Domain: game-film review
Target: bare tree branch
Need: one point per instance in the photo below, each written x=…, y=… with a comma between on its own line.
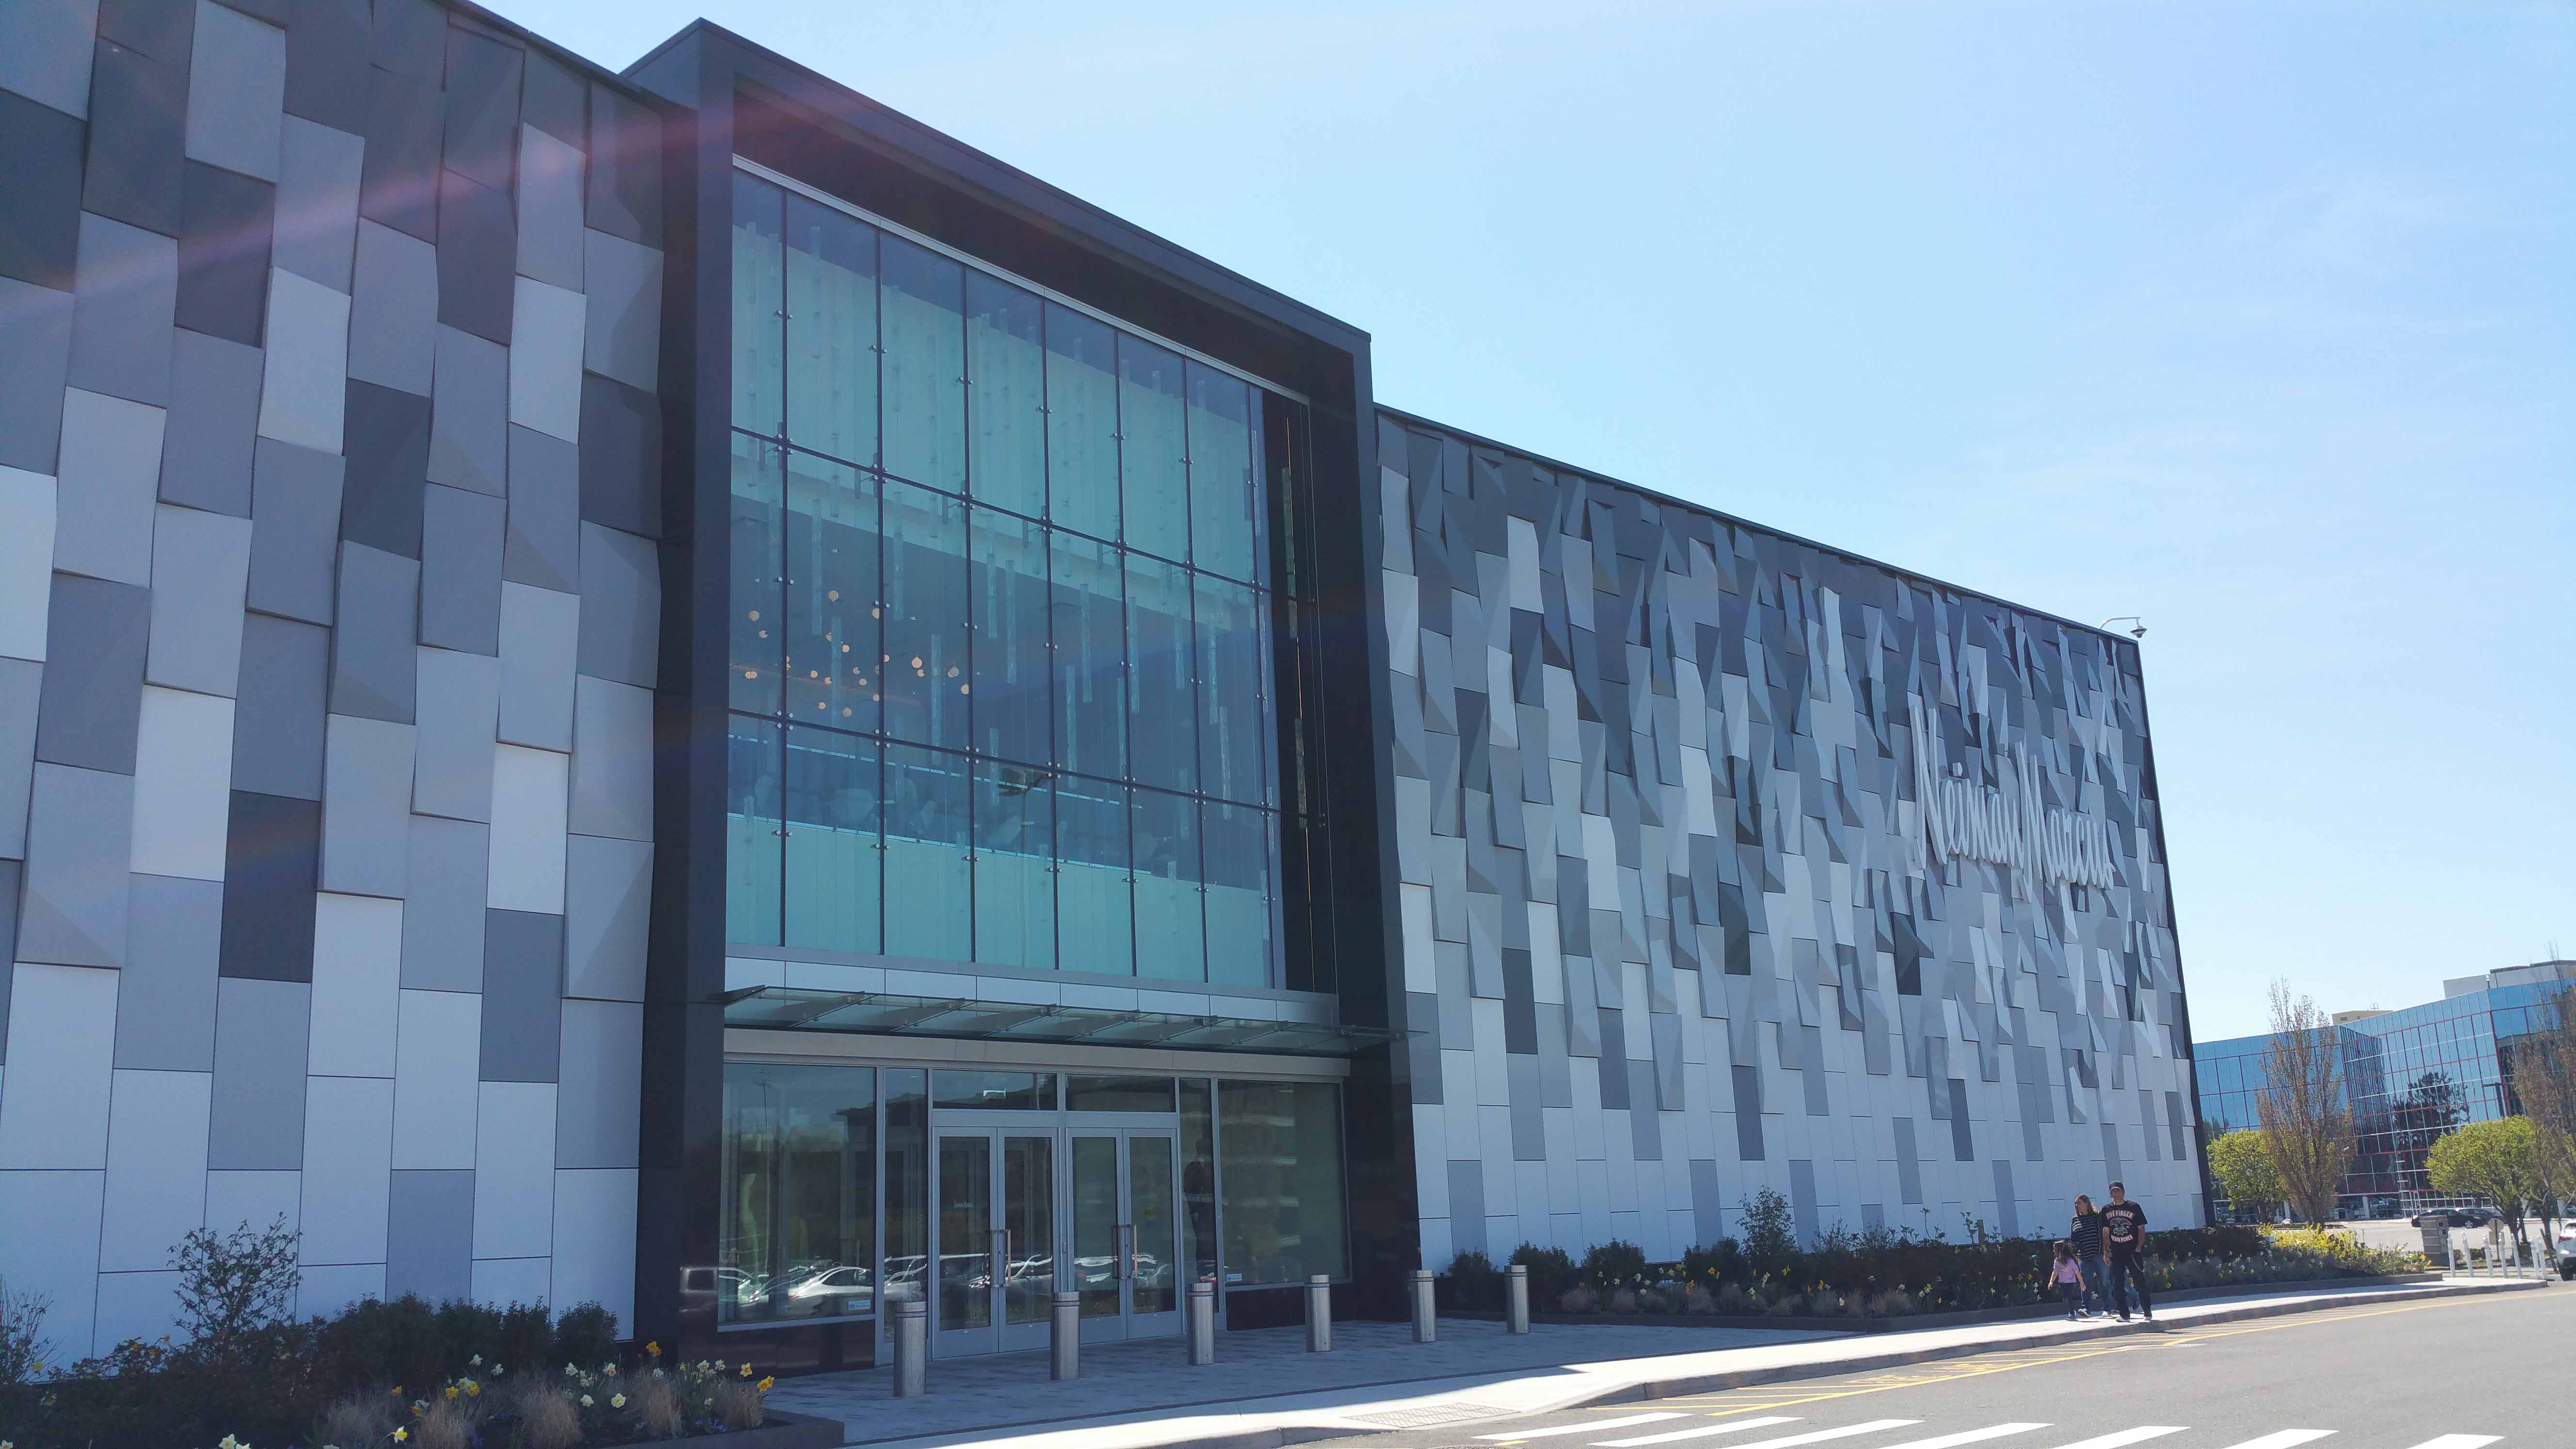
x=2305, y=1116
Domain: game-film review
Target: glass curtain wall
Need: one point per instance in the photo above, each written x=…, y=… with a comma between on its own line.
x=1003, y=627
x=827, y=1181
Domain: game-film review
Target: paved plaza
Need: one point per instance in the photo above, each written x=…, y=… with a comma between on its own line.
x=1012, y=1390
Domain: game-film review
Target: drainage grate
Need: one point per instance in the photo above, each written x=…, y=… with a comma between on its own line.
x=1433, y=1415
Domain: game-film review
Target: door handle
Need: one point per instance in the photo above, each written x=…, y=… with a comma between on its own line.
x=1127, y=1250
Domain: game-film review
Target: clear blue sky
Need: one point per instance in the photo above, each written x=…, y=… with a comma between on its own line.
x=2258, y=320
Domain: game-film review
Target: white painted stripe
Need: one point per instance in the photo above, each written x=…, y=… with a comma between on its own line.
x=1817, y=1436
x=2284, y=1440
x=2460, y=1441
x=2127, y=1437
x=1972, y=1436
x=1705, y=1431
x=1591, y=1428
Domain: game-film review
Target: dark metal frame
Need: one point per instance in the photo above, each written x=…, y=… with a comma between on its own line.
x=734, y=98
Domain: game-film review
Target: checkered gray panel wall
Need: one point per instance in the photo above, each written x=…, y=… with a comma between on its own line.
x=1676, y=926
x=328, y=603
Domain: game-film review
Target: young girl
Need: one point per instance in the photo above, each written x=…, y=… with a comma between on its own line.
x=2068, y=1279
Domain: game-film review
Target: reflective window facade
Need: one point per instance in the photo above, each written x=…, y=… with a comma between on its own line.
x=810, y=1153
x=1005, y=616
x=2411, y=1076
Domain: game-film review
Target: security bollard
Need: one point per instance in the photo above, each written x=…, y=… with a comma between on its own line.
x=1064, y=1348
x=1516, y=1298
x=1202, y=1305
x=911, y=1348
x=1426, y=1326
x=1319, y=1313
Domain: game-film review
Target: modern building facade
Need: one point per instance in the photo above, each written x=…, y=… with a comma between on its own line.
x=2410, y=1077
x=674, y=690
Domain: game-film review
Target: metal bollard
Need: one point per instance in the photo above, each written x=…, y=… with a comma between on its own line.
x=911, y=1349
x=1064, y=1346
x=1426, y=1324
x=1202, y=1305
x=1319, y=1313
x=1516, y=1298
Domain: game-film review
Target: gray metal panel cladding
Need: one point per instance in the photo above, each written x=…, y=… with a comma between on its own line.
x=257, y=272
x=1759, y=849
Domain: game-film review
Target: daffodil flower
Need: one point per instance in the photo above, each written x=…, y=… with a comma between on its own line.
x=617, y=1401
x=401, y=1434
x=764, y=1384
x=585, y=1401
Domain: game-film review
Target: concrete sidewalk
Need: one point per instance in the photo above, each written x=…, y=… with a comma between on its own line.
x=1266, y=1391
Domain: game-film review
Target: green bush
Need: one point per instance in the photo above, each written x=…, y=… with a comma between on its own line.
x=1615, y=1264
x=1720, y=1262
x=373, y=1340
x=469, y=1334
x=586, y=1335
x=1551, y=1273
x=1474, y=1284
x=527, y=1339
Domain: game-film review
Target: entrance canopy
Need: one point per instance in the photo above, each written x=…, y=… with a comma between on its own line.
x=877, y=1013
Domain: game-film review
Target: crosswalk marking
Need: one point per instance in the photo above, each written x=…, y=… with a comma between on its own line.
x=1591, y=1428
x=2127, y=1437
x=2284, y=1440
x=2460, y=1441
x=1786, y=1441
x=1972, y=1436
x=1732, y=1426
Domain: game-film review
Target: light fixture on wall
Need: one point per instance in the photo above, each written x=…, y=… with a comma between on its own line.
x=2138, y=629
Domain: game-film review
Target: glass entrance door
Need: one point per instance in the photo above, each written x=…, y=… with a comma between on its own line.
x=995, y=1240
x=1125, y=1258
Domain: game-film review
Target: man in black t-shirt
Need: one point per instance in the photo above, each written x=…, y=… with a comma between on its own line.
x=2124, y=1233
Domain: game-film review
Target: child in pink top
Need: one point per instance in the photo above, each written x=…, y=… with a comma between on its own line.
x=2068, y=1279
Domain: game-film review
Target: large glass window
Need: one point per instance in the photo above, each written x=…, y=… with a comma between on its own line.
x=1279, y=1180
x=797, y=1229
x=995, y=563
x=831, y=332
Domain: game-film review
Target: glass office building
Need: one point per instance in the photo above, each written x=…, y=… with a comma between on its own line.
x=2411, y=1076
x=668, y=688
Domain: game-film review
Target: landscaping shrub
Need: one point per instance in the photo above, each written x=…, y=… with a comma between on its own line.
x=587, y=1333
x=1474, y=1283
x=1614, y=1264
x=439, y=1374
x=1551, y=1272
x=1770, y=1231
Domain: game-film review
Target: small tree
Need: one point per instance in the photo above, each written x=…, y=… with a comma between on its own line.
x=2541, y=1069
x=233, y=1285
x=2497, y=1161
x=2306, y=1117
x=2242, y=1163
x=1770, y=1229
x=23, y=1345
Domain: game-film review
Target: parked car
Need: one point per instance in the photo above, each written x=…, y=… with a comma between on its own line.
x=2567, y=1256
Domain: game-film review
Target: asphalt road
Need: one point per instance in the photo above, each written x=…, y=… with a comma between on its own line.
x=2455, y=1373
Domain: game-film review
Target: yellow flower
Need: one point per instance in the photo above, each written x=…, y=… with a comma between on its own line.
x=451, y=1391
x=654, y=1348
x=764, y=1384
x=746, y=1371
x=397, y=1391
x=617, y=1401
x=401, y=1434
x=611, y=1371
x=472, y=1388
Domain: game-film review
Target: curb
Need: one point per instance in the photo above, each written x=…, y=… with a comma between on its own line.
x=1956, y=1318
x=1285, y=1435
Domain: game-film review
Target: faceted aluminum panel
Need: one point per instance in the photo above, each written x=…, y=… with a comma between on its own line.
x=138, y=120
x=317, y=201
x=97, y=636
x=442, y=947
x=227, y=231
x=111, y=470
x=277, y=735
x=306, y=385
x=470, y=417
x=460, y=571
x=45, y=52
x=1766, y=916
x=182, y=762
x=200, y=576
x=214, y=406
x=38, y=321
x=237, y=92
x=295, y=529
x=128, y=300
x=26, y=563
x=165, y=1017
x=393, y=319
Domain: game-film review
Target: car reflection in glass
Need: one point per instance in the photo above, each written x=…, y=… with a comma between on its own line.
x=829, y=1289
